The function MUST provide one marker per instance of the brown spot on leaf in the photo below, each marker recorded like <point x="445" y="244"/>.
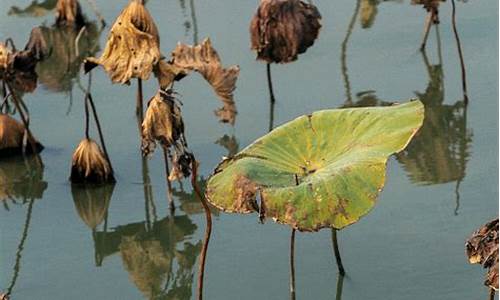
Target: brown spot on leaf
<point x="245" y="191"/>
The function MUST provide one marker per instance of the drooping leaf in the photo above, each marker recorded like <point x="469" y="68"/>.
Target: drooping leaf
<point x="321" y="170"/>
<point x="203" y="58"/>
<point x="133" y="46"/>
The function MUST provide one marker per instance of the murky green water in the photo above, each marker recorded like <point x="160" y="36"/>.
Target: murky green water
<point x="59" y="242"/>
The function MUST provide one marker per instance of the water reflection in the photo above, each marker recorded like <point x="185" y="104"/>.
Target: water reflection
<point x="59" y="71"/>
<point x="159" y="260"/>
<point x="35" y="9"/>
<point x="21" y="182"/>
<point x="230" y="143"/>
<point x="440" y="151"/>
<point x="159" y="255"/>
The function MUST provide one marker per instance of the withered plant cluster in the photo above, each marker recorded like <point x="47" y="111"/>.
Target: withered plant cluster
<point x="482" y="248"/>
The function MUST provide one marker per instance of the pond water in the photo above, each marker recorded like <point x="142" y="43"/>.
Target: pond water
<point x="59" y="242"/>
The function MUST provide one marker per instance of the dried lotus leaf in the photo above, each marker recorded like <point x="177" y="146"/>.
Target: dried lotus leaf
<point x="162" y="123"/>
<point x="203" y="58"/>
<point x="132" y="49"/>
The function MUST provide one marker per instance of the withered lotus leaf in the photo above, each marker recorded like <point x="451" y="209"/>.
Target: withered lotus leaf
<point x="162" y="123"/>
<point x="482" y="248"/>
<point x="321" y="170"/>
<point x="69" y="12"/>
<point x="203" y="58"/>
<point x="18" y="67"/>
<point x="132" y="49"/>
<point x="13" y="136"/>
<point x="89" y="164"/>
<point x="282" y="29"/>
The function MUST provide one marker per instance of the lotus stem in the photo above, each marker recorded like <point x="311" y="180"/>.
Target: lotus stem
<point x="337" y="252"/>
<point x="271" y="115"/>
<point x="270" y="84"/>
<point x="139" y="105"/>
<point x="460" y="54"/>
<point x="340" y="285"/>
<point x="170" y="196"/>
<point x="292" y="265"/>
<point x="343" y="56"/>
<point x="87" y="117"/>
<point x="427" y="28"/>
<point x="99" y="130"/>
<point x="18" y="104"/>
<point x="492" y="294"/>
<point x="208" y="229"/>
<point x="20" y="248"/>
<point x="77" y="41"/>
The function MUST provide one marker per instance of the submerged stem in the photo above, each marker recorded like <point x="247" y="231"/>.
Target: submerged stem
<point x="208" y="230"/>
<point x="340" y="285"/>
<point x="337" y="252"/>
<point x="20" y="247"/>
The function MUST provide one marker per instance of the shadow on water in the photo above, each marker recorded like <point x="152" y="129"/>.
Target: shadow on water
<point x="21" y="183"/>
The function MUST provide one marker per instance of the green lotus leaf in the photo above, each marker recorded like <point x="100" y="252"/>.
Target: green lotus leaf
<point x="321" y="170"/>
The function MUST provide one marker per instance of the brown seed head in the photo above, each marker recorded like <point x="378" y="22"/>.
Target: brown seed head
<point x="89" y="165"/>
<point x="282" y="29"/>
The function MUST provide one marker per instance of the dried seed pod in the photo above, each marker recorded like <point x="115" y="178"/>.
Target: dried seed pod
<point x="282" y="29"/>
<point x="133" y="46"/>
<point x="13" y="137"/>
<point x="89" y="164"/>
<point x="69" y="12"/>
<point x="162" y="123"/>
<point x="482" y="248"/>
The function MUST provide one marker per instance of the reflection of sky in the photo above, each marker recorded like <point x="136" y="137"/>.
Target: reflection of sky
<point x="402" y="250"/>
